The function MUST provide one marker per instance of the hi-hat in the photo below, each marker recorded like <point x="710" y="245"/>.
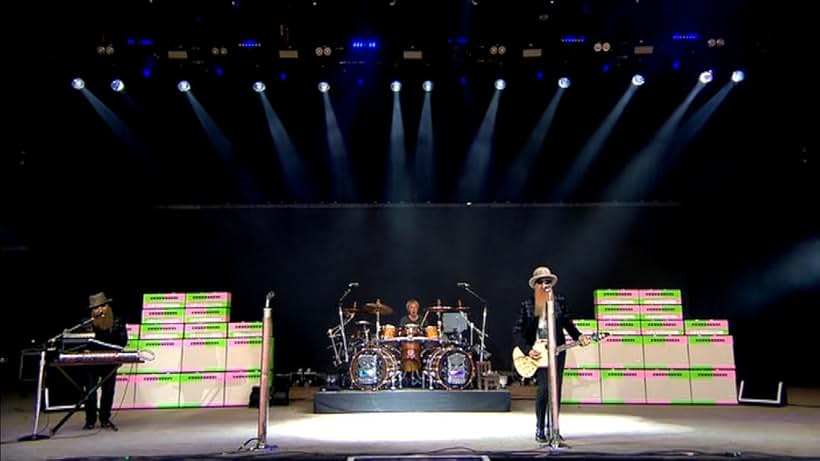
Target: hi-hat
<point x="378" y="307"/>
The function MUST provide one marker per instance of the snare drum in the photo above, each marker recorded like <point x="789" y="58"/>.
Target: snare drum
<point x="373" y="368"/>
<point x="388" y="331"/>
<point x="431" y="332"/>
<point x="411" y="329"/>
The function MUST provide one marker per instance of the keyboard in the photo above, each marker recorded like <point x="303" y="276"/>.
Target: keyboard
<point x="97" y="358"/>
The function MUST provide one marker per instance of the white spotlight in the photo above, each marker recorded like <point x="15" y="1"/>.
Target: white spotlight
<point x="78" y="84"/>
<point x="738" y="76"/>
<point x="638" y="80"/>
<point x="184" y="86"/>
<point x="118" y="85"/>
<point x="324" y="87"/>
<point x="395" y="87"/>
<point x="427" y="86"/>
<point x="564" y="82"/>
<point x="259" y="87"/>
<point x="500" y="84"/>
<point x="706" y="77"/>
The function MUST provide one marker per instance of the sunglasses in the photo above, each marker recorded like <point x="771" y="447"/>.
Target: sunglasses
<point x="542" y="282"/>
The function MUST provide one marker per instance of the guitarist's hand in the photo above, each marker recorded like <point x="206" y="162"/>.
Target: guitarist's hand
<point x="584" y="340"/>
<point x="534" y="354"/>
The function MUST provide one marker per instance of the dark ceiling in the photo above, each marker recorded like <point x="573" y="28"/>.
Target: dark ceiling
<point x="757" y="134"/>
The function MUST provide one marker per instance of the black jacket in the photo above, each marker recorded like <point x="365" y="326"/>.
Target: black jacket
<point x="116" y="335"/>
<point x="527" y="324"/>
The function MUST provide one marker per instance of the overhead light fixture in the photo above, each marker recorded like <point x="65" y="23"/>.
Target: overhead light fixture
<point x="178" y="54"/>
<point x="532" y="52"/>
<point x="412" y="55"/>
<point x="288" y="54"/>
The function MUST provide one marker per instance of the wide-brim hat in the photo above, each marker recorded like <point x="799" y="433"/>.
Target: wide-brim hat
<point x="542" y="272"/>
<point x="98" y="299"/>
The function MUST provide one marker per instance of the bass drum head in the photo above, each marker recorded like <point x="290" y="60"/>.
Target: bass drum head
<point x="451" y="368"/>
<point x="372" y="368"/>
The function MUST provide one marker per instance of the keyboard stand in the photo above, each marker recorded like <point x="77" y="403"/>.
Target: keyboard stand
<point x="88" y="394"/>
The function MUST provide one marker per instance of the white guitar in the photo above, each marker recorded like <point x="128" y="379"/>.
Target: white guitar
<point x="526" y="365"/>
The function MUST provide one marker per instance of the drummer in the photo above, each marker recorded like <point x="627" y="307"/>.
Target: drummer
<point x="413" y="316"/>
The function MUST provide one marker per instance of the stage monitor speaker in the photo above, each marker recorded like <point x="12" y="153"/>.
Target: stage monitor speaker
<point x="762" y="392"/>
<point x="279" y="394"/>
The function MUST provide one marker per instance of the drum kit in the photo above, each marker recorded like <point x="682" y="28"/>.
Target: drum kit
<point x="434" y="354"/>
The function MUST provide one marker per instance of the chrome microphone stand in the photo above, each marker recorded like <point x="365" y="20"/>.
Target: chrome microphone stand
<point x="342" y="322"/>
<point x="40" y="378"/>
<point x="552" y="369"/>
<point x="482" y="333"/>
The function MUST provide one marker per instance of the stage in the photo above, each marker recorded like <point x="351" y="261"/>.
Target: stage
<point x="593" y="431"/>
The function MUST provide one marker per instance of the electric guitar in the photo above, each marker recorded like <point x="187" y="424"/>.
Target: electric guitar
<point x="526" y="365"/>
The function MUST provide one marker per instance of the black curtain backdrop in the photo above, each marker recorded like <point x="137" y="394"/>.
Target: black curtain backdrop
<point x="308" y="254"/>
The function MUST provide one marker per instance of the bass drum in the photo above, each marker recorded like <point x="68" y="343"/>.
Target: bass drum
<point x="451" y="368"/>
<point x="373" y="368"/>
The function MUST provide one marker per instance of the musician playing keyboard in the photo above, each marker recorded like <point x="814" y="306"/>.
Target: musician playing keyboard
<point x="107" y="329"/>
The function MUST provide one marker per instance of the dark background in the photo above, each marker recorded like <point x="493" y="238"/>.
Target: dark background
<point x="732" y="222"/>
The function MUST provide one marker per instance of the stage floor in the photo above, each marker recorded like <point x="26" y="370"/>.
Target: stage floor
<point x="593" y="431"/>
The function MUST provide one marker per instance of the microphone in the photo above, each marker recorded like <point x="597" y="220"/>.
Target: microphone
<point x="463" y="284"/>
<point x="268" y="297"/>
<point x="352" y="284"/>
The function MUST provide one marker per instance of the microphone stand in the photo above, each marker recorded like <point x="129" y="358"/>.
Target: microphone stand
<point x="40" y="376"/>
<point x="483" y="322"/>
<point x="342" y="321"/>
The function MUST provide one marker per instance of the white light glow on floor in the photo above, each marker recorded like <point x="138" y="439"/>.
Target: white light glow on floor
<point x="400" y="427"/>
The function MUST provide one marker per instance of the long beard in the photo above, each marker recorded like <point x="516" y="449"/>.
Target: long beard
<point x="105" y="321"/>
<point x="541" y="298"/>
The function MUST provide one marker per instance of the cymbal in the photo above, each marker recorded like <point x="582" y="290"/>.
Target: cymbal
<point x="448" y="308"/>
<point x="382" y="309"/>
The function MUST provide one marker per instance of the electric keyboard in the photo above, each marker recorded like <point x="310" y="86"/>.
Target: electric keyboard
<point x="98" y="358"/>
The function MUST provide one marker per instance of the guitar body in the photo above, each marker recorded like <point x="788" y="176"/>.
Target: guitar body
<point x="526" y="366"/>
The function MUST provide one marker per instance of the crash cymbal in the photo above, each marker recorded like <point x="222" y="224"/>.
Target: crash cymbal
<point x="382" y="309"/>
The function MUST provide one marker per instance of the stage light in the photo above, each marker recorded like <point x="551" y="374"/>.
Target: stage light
<point x="493" y="50"/>
<point x="502" y="50"/>
<point x="606" y="47"/>
<point x="427" y="86"/>
<point x="184" y="86"/>
<point x="78" y="84"/>
<point x="259" y="87"/>
<point x="706" y="77"/>
<point x="118" y="85"/>
<point x="324" y="87"/>
<point x="638" y="80"/>
<point x="564" y="82"/>
<point x="500" y="84"/>
<point x="395" y="87"/>
<point x="109" y="50"/>
<point x="326" y="50"/>
<point x="539" y="75"/>
<point x="283" y="76"/>
<point x="738" y="76"/>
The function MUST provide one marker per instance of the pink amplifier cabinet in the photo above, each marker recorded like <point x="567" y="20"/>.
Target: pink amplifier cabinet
<point x="581" y="386"/>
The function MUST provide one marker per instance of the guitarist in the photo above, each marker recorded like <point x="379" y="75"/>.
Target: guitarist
<point x="532" y="325"/>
